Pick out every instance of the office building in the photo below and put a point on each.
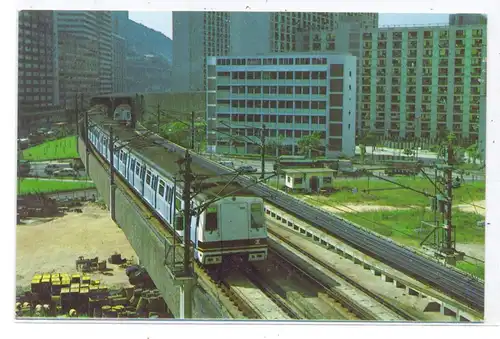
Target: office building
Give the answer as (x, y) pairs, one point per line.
(84, 54)
(119, 55)
(418, 81)
(197, 35)
(293, 95)
(37, 88)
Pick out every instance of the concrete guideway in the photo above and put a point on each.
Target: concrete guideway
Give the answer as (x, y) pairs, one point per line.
(149, 239)
(253, 295)
(394, 278)
(359, 302)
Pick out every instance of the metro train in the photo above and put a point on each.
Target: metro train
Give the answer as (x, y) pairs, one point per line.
(229, 227)
(123, 114)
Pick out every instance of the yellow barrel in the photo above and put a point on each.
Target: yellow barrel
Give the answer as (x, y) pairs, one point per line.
(64, 276)
(35, 285)
(82, 285)
(75, 278)
(65, 282)
(95, 282)
(86, 279)
(46, 276)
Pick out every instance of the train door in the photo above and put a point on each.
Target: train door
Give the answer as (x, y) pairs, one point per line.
(137, 177)
(124, 164)
(142, 177)
(130, 176)
(160, 203)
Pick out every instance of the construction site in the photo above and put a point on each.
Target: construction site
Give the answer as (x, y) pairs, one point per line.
(73, 261)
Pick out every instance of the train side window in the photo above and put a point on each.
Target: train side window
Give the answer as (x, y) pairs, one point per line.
(161, 188)
(137, 168)
(121, 156)
(257, 215)
(148, 177)
(211, 220)
(168, 193)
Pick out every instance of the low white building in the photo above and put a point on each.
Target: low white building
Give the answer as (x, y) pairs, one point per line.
(309, 180)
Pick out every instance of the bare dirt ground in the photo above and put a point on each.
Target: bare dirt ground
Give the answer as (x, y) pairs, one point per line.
(472, 250)
(350, 208)
(52, 246)
(478, 207)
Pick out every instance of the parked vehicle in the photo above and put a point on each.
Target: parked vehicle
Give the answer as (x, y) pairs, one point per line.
(51, 168)
(227, 164)
(65, 172)
(246, 169)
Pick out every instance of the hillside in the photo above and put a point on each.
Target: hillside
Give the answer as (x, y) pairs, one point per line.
(143, 40)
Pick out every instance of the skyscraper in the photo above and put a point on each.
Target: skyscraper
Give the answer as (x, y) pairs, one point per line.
(36, 70)
(118, 22)
(84, 54)
(197, 35)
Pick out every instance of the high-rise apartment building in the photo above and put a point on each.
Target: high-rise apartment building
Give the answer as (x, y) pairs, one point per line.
(84, 54)
(197, 35)
(37, 86)
(417, 81)
(292, 94)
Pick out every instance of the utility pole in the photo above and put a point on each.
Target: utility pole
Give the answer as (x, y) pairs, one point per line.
(186, 196)
(111, 174)
(193, 130)
(186, 278)
(76, 115)
(450, 245)
(158, 119)
(263, 150)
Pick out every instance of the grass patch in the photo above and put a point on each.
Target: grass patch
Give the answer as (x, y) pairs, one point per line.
(64, 148)
(474, 269)
(388, 194)
(405, 226)
(30, 186)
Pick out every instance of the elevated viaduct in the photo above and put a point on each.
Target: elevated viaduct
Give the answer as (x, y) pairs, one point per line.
(150, 244)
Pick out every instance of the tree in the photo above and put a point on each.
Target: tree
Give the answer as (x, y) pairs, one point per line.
(362, 150)
(309, 143)
(274, 145)
(473, 152)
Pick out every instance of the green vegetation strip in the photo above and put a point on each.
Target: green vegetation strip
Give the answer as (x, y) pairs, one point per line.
(31, 186)
(64, 148)
(405, 227)
(379, 192)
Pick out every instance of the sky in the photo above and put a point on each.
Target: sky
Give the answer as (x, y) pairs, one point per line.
(162, 21)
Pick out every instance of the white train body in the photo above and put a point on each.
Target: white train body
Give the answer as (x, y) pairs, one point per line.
(232, 226)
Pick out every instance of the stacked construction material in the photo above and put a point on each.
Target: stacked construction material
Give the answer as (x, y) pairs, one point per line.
(76, 294)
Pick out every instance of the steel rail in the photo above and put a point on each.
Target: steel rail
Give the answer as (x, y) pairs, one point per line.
(452, 282)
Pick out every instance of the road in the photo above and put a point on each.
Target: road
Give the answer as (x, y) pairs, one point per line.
(38, 168)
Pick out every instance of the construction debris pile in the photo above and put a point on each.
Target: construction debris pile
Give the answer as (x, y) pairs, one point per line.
(76, 295)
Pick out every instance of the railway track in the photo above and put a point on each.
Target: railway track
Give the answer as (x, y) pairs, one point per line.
(251, 295)
(352, 295)
(452, 282)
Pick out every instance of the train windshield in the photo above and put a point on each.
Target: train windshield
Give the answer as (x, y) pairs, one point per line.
(211, 219)
(257, 215)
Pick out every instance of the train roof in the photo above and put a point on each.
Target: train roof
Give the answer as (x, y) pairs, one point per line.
(158, 155)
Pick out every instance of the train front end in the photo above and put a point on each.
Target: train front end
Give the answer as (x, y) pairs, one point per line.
(232, 227)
